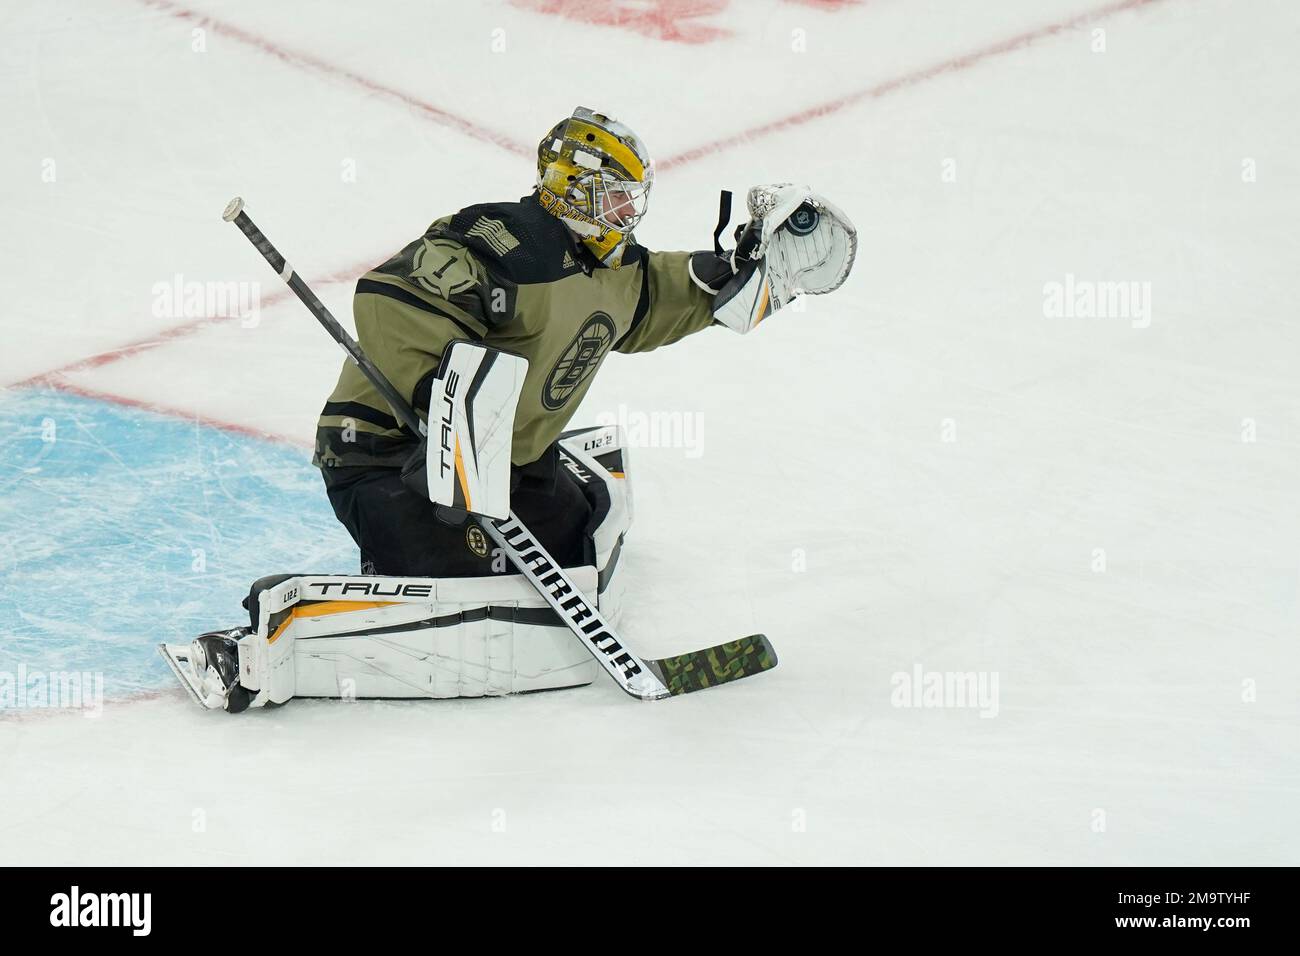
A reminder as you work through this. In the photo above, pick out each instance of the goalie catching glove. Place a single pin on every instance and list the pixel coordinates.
(796, 241)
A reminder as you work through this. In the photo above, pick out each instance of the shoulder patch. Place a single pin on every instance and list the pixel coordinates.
(494, 233)
(443, 268)
(517, 242)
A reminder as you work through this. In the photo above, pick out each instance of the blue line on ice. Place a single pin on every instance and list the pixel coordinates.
(120, 528)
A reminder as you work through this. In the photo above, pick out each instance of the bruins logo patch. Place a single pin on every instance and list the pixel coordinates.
(583, 355)
(442, 267)
(476, 540)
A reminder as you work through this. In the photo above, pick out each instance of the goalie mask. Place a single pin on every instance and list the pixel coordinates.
(594, 175)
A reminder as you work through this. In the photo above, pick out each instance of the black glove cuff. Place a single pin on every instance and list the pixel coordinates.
(709, 270)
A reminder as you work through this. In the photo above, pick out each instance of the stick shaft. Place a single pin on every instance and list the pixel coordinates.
(401, 408)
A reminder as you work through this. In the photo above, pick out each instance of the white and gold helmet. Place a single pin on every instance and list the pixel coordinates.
(594, 175)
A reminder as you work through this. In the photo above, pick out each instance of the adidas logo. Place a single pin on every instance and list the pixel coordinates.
(568, 261)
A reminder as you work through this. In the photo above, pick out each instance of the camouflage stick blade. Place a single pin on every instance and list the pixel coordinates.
(721, 664)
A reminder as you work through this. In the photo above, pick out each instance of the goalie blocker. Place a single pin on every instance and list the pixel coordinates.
(465, 460)
(389, 637)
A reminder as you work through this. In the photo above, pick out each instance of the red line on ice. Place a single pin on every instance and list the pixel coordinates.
(138, 346)
(954, 65)
(134, 697)
(672, 21)
(164, 336)
(173, 412)
(439, 115)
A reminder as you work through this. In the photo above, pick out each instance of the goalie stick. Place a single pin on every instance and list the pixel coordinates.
(643, 678)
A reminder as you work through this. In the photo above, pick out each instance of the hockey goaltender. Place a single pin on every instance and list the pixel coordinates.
(491, 327)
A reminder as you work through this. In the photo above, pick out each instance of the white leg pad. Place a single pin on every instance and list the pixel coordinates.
(600, 456)
(359, 637)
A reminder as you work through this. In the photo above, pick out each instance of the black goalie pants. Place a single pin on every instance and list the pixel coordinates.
(399, 535)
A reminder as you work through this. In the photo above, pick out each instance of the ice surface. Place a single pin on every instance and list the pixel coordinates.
(125, 529)
(922, 470)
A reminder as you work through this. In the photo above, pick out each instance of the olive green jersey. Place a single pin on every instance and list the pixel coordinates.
(511, 276)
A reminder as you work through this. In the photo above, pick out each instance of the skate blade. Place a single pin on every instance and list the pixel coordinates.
(177, 657)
